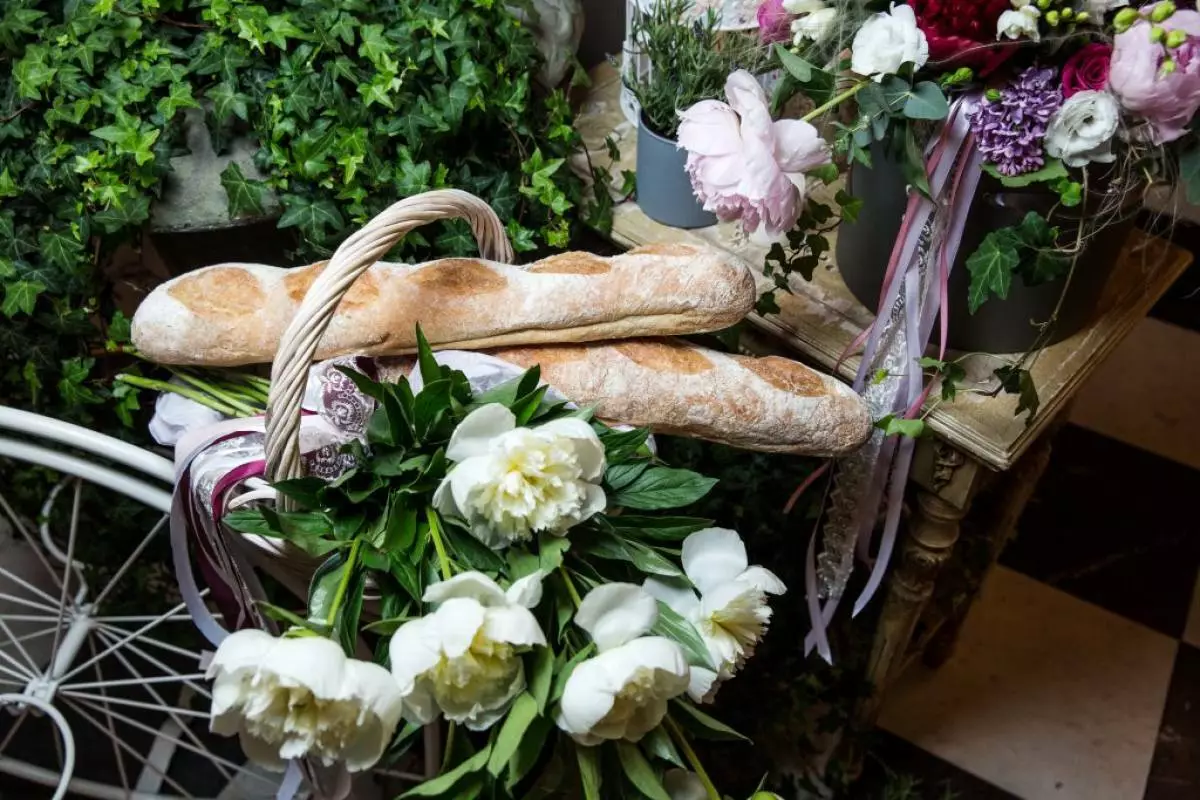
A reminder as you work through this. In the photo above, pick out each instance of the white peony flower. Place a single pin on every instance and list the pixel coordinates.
(731, 611)
(511, 482)
(886, 42)
(621, 693)
(1082, 129)
(175, 415)
(684, 785)
(294, 697)
(1020, 23)
(816, 26)
(464, 659)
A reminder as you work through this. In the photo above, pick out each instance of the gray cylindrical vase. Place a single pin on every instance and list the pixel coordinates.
(664, 190)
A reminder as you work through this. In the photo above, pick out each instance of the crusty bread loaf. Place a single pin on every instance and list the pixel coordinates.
(236, 313)
(769, 404)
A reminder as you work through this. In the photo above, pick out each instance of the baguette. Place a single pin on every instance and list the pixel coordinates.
(235, 314)
(767, 404)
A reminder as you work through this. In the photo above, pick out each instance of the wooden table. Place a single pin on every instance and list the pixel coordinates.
(978, 440)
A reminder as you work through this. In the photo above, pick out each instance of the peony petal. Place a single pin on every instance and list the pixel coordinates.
(420, 708)
(413, 651)
(709, 128)
(310, 661)
(262, 752)
(455, 625)
(376, 689)
(588, 448)
(464, 477)
(513, 624)
(763, 579)
(746, 96)
(681, 597)
(587, 698)
(713, 556)
(702, 685)
(616, 613)
(683, 785)
(474, 585)
(594, 501)
(798, 146)
(243, 649)
(476, 432)
(527, 591)
(366, 746)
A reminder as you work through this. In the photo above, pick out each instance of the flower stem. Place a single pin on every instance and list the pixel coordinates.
(571, 590)
(347, 571)
(435, 533)
(692, 758)
(846, 95)
(229, 398)
(185, 391)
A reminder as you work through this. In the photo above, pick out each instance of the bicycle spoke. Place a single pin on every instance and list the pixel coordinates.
(17, 579)
(13, 731)
(134, 681)
(121, 701)
(26, 637)
(112, 733)
(72, 535)
(137, 551)
(79, 709)
(20, 647)
(195, 687)
(148, 626)
(170, 648)
(183, 727)
(33, 545)
(143, 618)
(21, 601)
(16, 670)
(133, 723)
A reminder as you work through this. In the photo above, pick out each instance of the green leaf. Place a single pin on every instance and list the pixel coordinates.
(926, 101)
(851, 205)
(1053, 170)
(246, 197)
(538, 737)
(590, 774)
(283, 615)
(323, 587)
(620, 445)
(891, 425)
(639, 772)
(992, 266)
(796, 66)
(657, 744)
(540, 676)
(618, 476)
(131, 212)
(516, 722)
(20, 297)
(674, 627)
(443, 783)
(312, 217)
(607, 545)
(913, 163)
(663, 487)
(1019, 381)
(702, 725)
(663, 529)
(563, 674)
(228, 102)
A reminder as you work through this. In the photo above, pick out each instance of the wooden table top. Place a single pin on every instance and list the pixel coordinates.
(821, 318)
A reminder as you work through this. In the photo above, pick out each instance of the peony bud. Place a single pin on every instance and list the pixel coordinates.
(1158, 34)
(1176, 38)
(1167, 66)
(1082, 17)
(1125, 19)
(1043, 4)
(1066, 13)
(1162, 11)
(993, 95)
(1052, 18)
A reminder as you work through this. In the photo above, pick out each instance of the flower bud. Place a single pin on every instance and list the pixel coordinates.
(1082, 17)
(1052, 18)
(1125, 19)
(993, 95)
(1167, 66)
(1043, 4)
(1067, 13)
(1176, 38)
(1162, 11)
(1158, 34)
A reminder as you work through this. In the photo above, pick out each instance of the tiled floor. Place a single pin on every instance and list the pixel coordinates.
(1078, 673)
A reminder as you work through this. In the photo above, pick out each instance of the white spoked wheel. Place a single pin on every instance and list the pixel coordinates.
(100, 666)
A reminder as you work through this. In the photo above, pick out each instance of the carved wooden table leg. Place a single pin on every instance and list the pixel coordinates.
(932, 533)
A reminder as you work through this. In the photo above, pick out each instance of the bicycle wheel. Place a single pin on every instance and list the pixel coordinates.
(101, 669)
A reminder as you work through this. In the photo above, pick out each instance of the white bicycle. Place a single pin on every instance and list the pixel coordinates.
(100, 666)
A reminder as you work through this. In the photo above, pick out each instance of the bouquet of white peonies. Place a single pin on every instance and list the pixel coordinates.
(531, 590)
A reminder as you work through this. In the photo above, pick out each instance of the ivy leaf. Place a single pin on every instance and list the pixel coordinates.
(312, 217)
(228, 102)
(1019, 381)
(850, 205)
(127, 214)
(60, 249)
(20, 297)
(992, 266)
(1053, 170)
(891, 425)
(246, 197)
(178, 97)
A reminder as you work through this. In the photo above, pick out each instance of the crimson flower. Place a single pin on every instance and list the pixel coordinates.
(962, 33)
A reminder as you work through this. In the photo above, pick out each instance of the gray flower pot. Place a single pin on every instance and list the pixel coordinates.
(998, 326)
(664, 190)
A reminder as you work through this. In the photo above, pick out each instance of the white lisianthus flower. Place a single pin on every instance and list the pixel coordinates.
(1082, 130)
(816, 26)
(289, 698)
(511, 482)
(621, 693)
(1019, 23)
(886, 42)
(464, 659)
(731, 611)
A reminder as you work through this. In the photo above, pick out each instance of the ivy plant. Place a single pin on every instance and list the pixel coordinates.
(353, 105)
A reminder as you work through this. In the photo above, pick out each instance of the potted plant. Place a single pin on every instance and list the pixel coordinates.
(689, 59)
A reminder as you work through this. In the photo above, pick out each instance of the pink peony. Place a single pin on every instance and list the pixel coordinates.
(1168, 100)
(743, 165)
(774, 22)
(1087, 70)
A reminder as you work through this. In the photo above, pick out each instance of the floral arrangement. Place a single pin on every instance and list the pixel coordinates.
(1089, 101)
(507, 558)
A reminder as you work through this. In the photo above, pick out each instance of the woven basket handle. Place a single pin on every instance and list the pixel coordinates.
(298, 347)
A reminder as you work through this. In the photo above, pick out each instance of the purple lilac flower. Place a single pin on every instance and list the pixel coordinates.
(1009, 131)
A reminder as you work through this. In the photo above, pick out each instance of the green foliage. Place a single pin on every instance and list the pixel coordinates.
(1017, 380)
(807, 242)
(353, 104)
(691, 61)
(1029, 250)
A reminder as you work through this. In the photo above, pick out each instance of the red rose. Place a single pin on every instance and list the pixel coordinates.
(962, 33)
(1087, 69)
